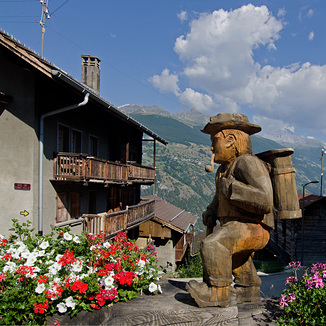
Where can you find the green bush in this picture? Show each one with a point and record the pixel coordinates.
(193, 267)
(269, 266)
(303, 300)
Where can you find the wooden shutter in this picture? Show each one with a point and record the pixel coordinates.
(62, 214)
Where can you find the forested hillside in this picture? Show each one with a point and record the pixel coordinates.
(181, 178)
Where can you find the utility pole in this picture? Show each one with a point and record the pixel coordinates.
(321, 173)
(45, 14)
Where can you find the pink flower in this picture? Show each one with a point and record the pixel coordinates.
(292, 297)
(291, 279)
(309, 284)
(295, 264)
(283, 301)
(318, 281)
(2, 276)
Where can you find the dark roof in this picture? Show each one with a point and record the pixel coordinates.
(309, 200)
(52, 71)
(172, 216)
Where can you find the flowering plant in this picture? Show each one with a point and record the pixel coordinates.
(303, 300)
(62, 272)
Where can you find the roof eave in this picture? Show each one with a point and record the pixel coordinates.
(83, 88)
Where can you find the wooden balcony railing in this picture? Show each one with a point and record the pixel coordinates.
(71, 166)
(137, 172)
(119, 221)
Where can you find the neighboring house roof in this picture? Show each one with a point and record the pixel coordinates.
(172, 216)
(309, 200)
(50, 70)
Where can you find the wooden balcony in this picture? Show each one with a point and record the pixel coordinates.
(119, 221)
(81, 167)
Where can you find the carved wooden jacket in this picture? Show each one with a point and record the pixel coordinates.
(244, 192)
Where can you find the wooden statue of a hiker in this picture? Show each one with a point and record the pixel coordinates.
(243, 204)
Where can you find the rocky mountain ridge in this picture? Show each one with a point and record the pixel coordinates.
(180, 166)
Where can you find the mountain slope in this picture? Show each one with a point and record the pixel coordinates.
(180, 172)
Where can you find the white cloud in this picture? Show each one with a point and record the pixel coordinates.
(199, 101)
(310, 13)
(270, 125)
(183, 16)
(281, 12)
(311, 36)
(218, 57)
(305, 12)
(166, 82)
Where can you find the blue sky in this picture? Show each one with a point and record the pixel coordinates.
(262, 58)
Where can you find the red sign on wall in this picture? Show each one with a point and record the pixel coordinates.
(22, 186)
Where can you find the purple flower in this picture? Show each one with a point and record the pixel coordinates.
(291, 279)
(318, 281)
(295, 264)
(283, 302)
(292, 297)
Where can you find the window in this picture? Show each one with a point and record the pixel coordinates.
(69, 140)
(76, 141)
(93, 145)
(68, 206)
(63, 138)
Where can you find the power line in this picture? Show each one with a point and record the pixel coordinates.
(59, 7)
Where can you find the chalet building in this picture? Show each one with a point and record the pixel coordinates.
(171, 230)
(290, 236)
(68, 157)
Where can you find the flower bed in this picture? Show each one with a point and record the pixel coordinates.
(303, 300)
(65, 273)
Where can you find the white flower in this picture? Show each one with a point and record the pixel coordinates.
(76, 239)
(30, 261)
(61, 307)
(53, 269)
(36, 270)
(152, 287)
(106, 244)
(159, 288)
(141, 263)
(15, 255)
(26, 253)
(9, 267)
(58, 257)
(92, 247)
(39, 253)
(67, 236)
(108, 282)
(40, 288)
(70, 302)
(77, 266)
(44, 245)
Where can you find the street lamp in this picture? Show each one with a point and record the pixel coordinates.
(302, 227)
(322, 173)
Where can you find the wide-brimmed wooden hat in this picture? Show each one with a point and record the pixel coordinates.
(223, 121)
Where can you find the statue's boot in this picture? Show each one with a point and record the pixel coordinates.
(209, 296)
(247, 293)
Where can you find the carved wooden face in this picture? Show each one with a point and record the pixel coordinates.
(223, 148)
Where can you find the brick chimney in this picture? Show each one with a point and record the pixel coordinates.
(90, 72)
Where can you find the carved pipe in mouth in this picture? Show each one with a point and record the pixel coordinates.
(210, 167)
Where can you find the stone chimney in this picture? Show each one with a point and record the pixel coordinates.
(90, 72)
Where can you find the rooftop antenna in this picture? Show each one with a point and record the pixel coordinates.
(45, 14)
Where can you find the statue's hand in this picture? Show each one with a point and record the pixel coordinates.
(208, 219)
